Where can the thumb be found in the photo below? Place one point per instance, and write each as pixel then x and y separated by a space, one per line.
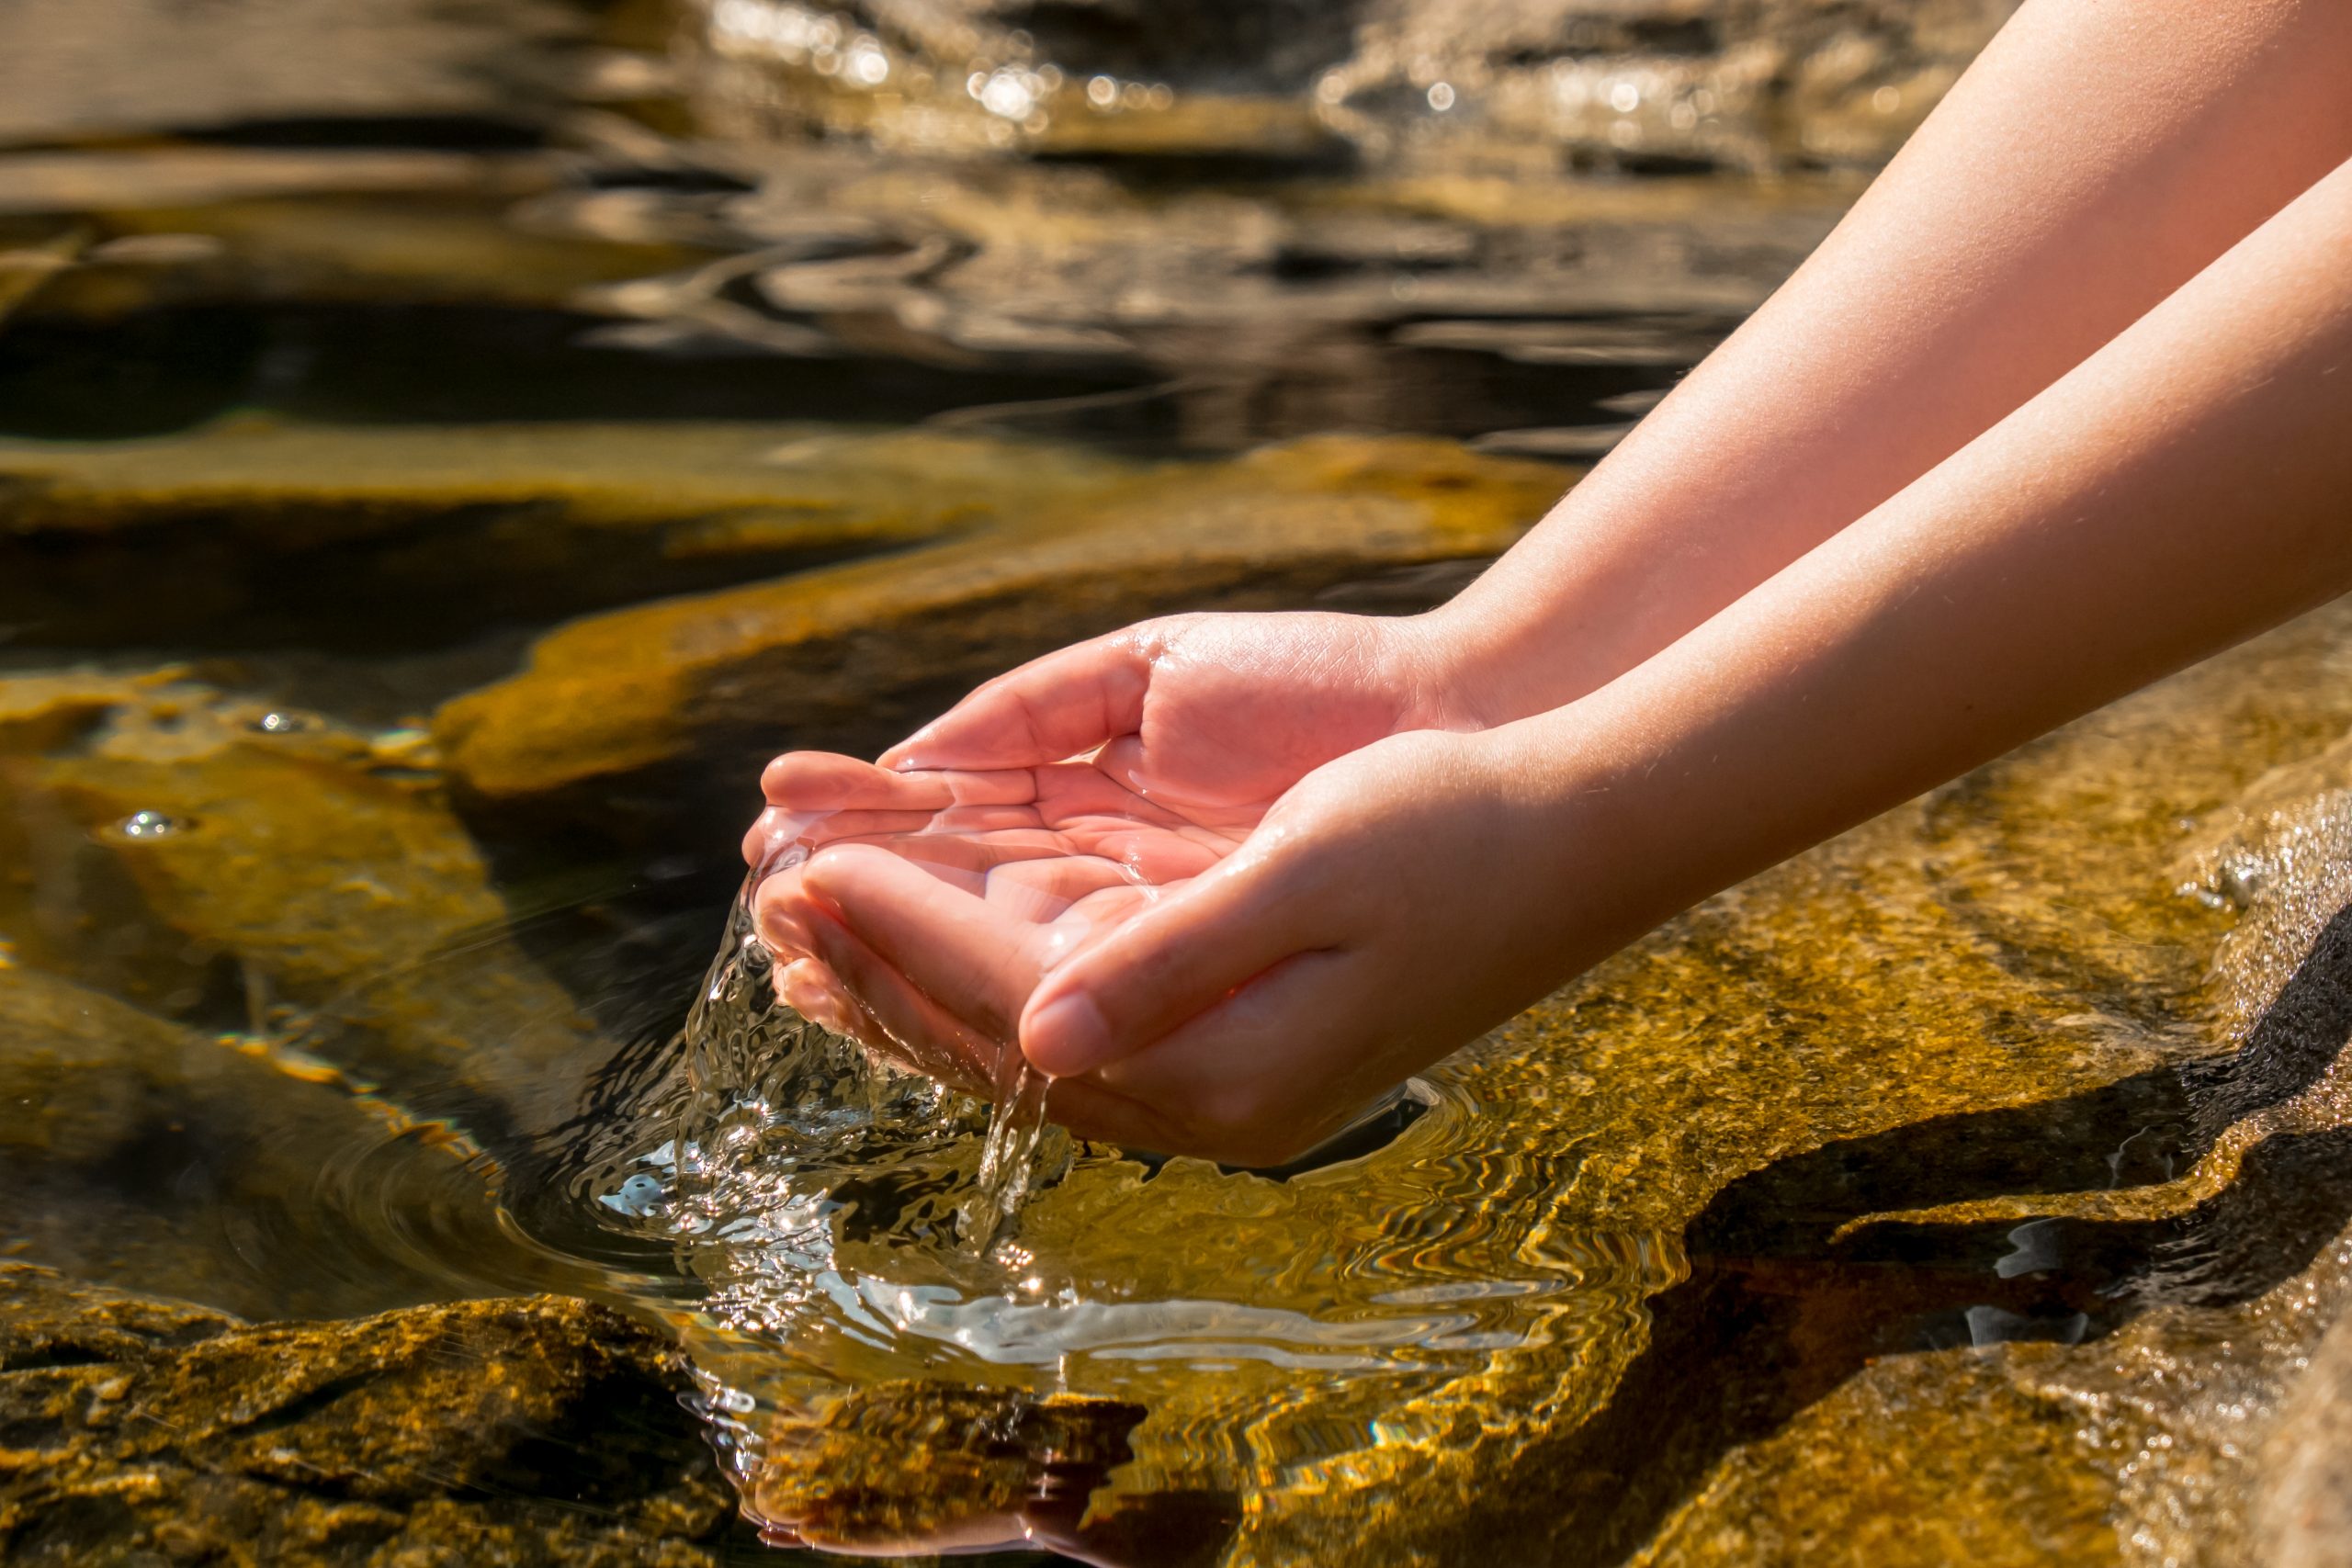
pixel 1179 957
pixel 1050 708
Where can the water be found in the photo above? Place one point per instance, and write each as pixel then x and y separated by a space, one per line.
pixel 875 1260
pixel 421 512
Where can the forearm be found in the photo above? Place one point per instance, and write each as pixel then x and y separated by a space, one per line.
pixel 2189 485
pixel 2096 157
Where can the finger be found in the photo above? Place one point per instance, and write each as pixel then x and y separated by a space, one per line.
pixel 825 781
pixel 780 914
pixel 915 1030
pixel 1050 708
pixel 1267 1072
pixel 1177 957
pixel 810 989
pixel 971 958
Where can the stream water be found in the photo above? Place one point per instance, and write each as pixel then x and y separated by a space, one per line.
pixel 427 498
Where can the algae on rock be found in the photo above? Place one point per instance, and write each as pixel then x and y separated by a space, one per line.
pixel 852 656
pixel 530 1431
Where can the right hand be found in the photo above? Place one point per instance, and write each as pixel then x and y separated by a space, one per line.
pixel 1209 716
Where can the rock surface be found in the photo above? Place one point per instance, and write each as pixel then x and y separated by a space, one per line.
pixel 273 875
pixel 1746 84
pixel 255 535
pixel 532 1431
pixel 280 1192
pixel 650 705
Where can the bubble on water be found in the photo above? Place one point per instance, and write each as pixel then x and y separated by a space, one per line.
pixel 280 723
pixel 151 825
pixel 639 1196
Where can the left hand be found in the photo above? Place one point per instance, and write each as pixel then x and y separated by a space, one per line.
pixel 1395 904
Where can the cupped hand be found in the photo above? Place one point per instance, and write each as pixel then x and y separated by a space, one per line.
pixel 970 886
pixel 1211 715
pixel 1393 905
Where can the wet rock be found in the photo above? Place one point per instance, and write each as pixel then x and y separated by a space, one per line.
pixel 258 534
pixel 277 876
pixel 695 692
pixel 153 1157
pixel 94 68
pixel 1746 84
pixel 1676 83
pixel 2303 1515
pixel 539 1431
pixel 180 178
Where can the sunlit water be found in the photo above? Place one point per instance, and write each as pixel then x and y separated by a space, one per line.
pixel 877 1268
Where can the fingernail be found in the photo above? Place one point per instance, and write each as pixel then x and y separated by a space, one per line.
pixel 1067 1036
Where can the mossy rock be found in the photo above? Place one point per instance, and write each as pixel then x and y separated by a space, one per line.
pixel 526 1431
pixel 695 693
pixel 256 533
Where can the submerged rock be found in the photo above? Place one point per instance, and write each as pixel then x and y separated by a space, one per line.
pixel 278 876
pixel 275 1189
pixel 670 709
pixel 409 537
pixel 530 1431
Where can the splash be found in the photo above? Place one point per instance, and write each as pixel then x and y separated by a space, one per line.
pixel 772 1099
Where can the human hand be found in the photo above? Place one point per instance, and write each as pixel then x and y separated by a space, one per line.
pixel 1393 905
pixel 1212 716
pixel 1015 869
pixel 1196 724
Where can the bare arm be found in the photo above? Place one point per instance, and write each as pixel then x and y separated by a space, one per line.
pixel 2185 487
pixel 2096 157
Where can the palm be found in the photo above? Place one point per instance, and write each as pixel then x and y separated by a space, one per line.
pixel 1211 715
pixel 988 879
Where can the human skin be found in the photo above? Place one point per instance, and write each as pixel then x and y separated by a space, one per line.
pixel 2093 159
pixel 2185 486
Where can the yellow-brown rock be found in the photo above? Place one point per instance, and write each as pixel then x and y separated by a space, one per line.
pixel 275 1187
pixel 256 532
pixel 283 877
pixel 528 1431
pixel 852 656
